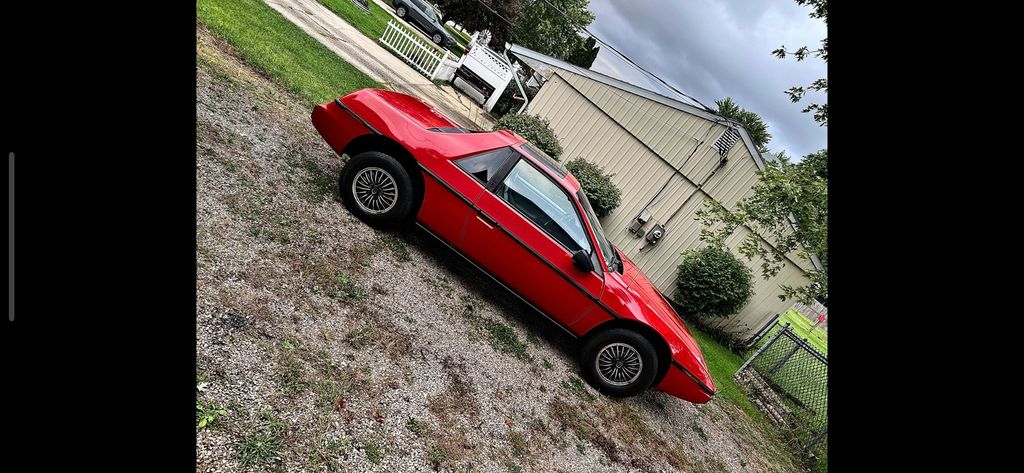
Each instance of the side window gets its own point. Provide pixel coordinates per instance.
(533, 194)
(484, 166)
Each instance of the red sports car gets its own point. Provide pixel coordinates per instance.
(520, 217)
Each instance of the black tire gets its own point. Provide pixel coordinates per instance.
(619, 339)
(400, 11)
(437, 38)
(376, 211)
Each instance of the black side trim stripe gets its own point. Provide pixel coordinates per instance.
(354, 114)
(482, 270)
(447, 186)
(687, 372)
(703, 386)
(520, 242)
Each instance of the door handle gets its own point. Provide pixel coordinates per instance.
(486, 219)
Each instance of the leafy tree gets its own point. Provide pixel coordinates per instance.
(712, 283)
(497, 16)
(785, 191)
(585, 54)
(553, 27)
(603, 194)
(817, 164)
(819, 10)
(752, 122)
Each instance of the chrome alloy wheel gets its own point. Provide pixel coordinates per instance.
(375, 190)
(619, 364)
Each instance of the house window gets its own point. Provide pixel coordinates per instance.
(725, 142)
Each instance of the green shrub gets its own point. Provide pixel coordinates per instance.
(598, 186)
(712, 283)
(535, 129)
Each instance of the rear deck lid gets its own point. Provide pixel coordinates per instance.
(420, 112)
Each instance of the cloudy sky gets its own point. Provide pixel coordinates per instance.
(712, 49)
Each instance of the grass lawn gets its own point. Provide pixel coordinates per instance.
(723, 364)
(458, 49)
(460, 37)
(374, 23)
(461, 40)
(274, 45)
(371, 24)
(793, 376)
(802, 327)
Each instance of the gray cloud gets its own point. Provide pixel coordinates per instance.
(714, 49)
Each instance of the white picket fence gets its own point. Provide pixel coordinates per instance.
(421, 54)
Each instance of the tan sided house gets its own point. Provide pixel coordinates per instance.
(667, 157)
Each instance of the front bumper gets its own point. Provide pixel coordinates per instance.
(681, 383)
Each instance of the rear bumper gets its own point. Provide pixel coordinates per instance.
(681, 383)
(338, 125)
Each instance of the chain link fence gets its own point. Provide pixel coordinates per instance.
(796, 373)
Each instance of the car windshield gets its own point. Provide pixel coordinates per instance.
(606, 247)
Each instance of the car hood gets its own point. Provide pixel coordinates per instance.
(689, 356)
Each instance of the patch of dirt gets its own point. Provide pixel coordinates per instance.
(334, 347)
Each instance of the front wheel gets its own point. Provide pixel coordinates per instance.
(437, 38)
(376, 188)
(619, 362)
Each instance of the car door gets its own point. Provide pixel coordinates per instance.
(449, 191)
(418, 14)
(524, 233)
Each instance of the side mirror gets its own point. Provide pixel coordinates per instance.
(581, 260)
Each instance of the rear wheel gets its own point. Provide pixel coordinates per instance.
(619, 362)
(400, 11)
(376, 188)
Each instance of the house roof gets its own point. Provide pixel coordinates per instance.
(529, 54)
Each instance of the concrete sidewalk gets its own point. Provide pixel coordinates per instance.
(377, 62)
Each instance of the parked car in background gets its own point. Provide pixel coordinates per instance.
(423, 15)
(522, 218)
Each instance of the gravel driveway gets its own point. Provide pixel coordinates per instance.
(329, 346)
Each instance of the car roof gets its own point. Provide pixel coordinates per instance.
(551, 166)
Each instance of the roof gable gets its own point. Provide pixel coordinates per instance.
(528, 54)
